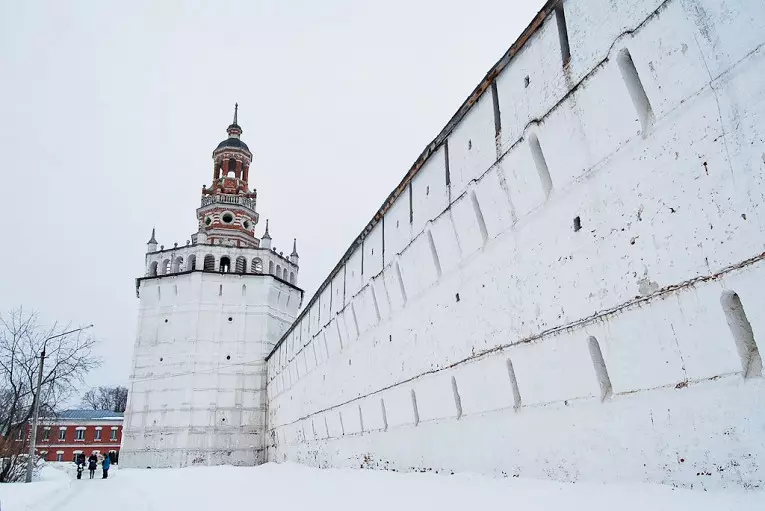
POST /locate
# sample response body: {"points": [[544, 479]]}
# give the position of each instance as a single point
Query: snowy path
{"points": [[295, 487]]}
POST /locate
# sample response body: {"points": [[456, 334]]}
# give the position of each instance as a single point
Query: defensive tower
{"points": [[210, 311]]}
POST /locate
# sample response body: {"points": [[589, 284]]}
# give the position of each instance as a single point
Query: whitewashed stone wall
{"points": [[571, 285], [197, 391]]}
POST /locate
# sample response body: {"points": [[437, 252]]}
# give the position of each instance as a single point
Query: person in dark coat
{"points": [[80, 465], [92, 464], [106, 464]]}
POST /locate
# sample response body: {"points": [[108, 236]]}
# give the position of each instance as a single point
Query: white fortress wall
{"points": [[568, 283]]}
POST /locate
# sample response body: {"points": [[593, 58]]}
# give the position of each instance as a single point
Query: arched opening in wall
{"points": [[191, 262], [257, 265], [270, 267], [457, 398], [636, 90], [209, 263], [415, 410], [279, 270], [401, 282], [292, 277], [285, 274], [541, 164], [514, 386], [241, 264], [600, 367], [565, 50], [177, 264], [743, 335], [225, 264], [434, 253], [165, 266], [479, 217], [153, 269], [384, 414], [231, 168]]}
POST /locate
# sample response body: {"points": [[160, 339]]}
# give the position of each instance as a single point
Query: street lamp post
{"points": [[36, 403]]}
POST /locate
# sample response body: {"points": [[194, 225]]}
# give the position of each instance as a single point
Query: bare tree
{"points": [[106, 398], [68, 359]]}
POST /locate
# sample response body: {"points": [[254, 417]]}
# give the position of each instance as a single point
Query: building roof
{"points": [[233, 142], [90, 415]]}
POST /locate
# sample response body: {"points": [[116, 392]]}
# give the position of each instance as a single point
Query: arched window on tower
{"points": [[165, 266], [257, 265], [231, 168], [292, 277], [209, 264], [270, 267], [279, 270], [225, 264], [153, 269], [191, 262], [177, 264], [241, 264], [285, 274]]}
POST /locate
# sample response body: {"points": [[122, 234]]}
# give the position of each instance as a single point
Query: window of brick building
{"points": [[80, 434], [46, 434], [59, 456], [62, 434], [98, 433], [114, 434]]}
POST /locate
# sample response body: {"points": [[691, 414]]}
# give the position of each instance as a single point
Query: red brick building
{"points": [[80, 431]]}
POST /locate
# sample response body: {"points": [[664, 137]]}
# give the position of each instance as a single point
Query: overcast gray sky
{"points": [[110, 111]]}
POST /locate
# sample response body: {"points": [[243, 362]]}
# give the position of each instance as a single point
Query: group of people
{"points": [[92, 465]]}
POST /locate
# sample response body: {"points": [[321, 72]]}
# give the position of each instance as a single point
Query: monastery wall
{"points": [[568, 283]]}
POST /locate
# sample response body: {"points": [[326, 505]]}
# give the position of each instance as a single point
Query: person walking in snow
{"points": [[92, 464], [106, 464], [80, 464]]}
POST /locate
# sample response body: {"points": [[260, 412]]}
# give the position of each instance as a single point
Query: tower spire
{"points": [[294, 255], [234, 130], [152, 239], [265, 234], [265, 241]]}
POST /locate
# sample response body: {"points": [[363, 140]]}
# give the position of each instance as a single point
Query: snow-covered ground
{"points": [[296, 487]]}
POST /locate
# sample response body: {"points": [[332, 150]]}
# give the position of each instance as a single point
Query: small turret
{"points": [[294, 255], [265, 241], [152, 243]]}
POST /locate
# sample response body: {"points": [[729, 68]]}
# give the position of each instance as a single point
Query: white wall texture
{"points": [[197, 391], [476, 329]]}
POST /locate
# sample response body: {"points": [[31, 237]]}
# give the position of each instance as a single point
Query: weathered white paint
{"points": [[489, 335]]}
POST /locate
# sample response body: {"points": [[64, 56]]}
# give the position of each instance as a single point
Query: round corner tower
{"points": [[210, 311]]}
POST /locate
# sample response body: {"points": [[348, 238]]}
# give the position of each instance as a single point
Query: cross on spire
{"points": [[236, 112]]}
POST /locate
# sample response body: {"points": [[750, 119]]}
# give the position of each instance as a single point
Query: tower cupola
{"points": [[151, 245], [227, 215], [265, 241], [294, 258]]}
